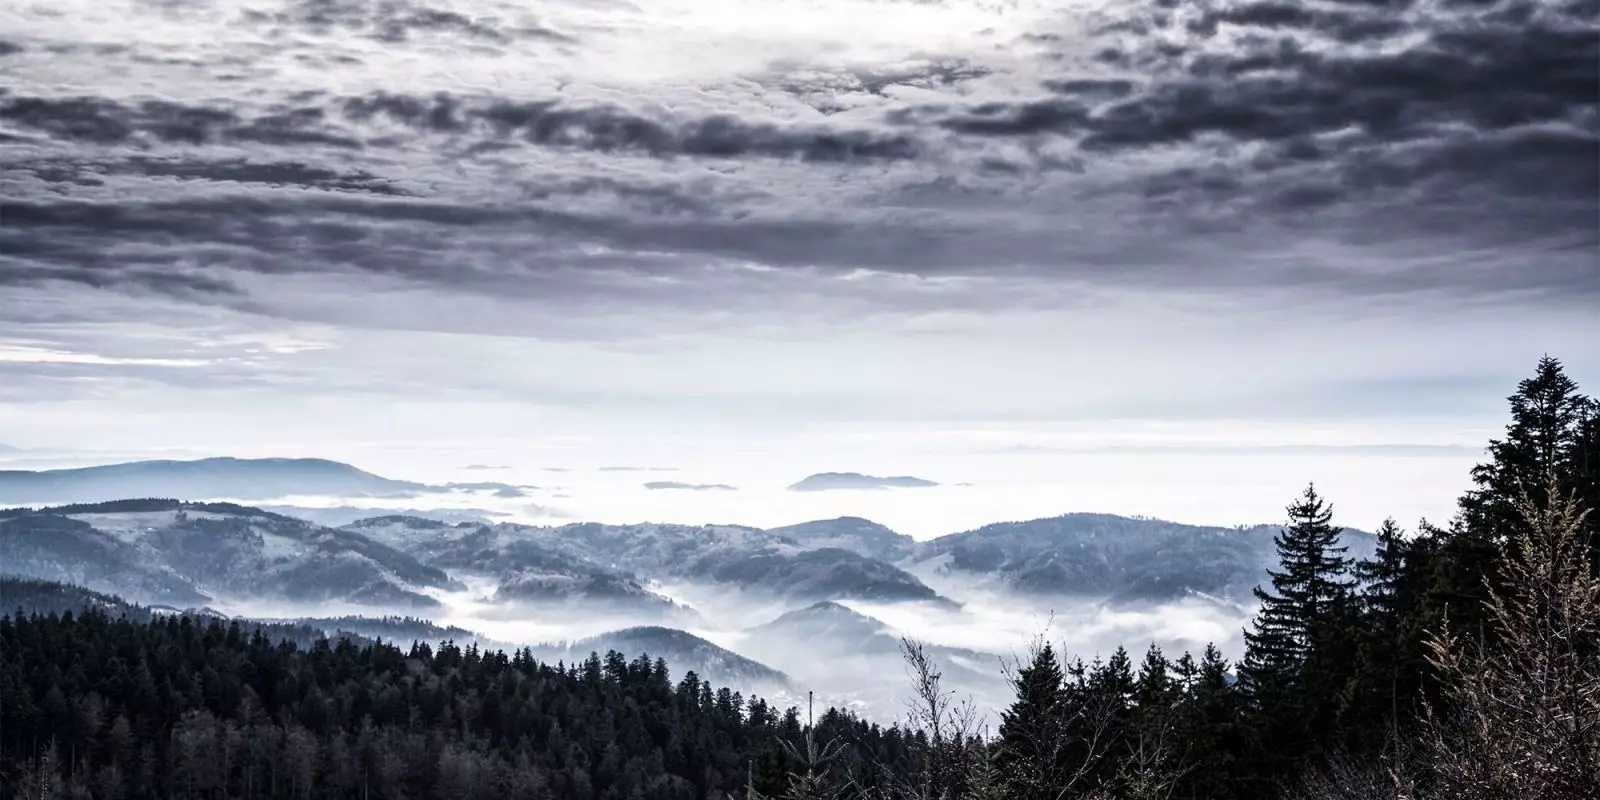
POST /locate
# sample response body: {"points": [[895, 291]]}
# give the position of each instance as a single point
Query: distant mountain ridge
{"points": [[577, 556], [176, 552], [855, 534], [216, 478], [252, 478], [1126, 559], [837, 481]]}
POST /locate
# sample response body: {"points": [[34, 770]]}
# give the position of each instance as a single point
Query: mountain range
{"points": [[217, 478], [1121, 558], [183, 553], [791, 607]]}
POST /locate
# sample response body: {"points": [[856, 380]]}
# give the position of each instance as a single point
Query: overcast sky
{"points": [[794, 232]]}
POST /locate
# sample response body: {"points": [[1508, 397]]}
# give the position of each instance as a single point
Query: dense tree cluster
{"points": [[180, 707], [1457, 662]]}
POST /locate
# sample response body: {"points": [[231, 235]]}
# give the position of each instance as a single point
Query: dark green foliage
{"points": [[1294, 655], [1552, 432], [187, 707], [1034, 751]]}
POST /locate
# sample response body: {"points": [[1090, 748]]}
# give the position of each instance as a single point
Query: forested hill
{"points": [[181, 707], [26, 597]]}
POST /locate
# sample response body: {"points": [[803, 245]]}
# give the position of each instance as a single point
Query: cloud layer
{"points": [[1357, 148]]}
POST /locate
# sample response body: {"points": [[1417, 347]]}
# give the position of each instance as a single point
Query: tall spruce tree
{"points": [[1386, 685], [1212, 733], [1311, 580], [1292, 669], [1546, 436], [1552, 432], [1033, 746]]}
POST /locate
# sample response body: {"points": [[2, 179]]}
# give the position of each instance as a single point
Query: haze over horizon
{"points": [[1110, 257]]}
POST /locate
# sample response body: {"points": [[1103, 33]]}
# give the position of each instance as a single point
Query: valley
{"points": [[817, 606]]}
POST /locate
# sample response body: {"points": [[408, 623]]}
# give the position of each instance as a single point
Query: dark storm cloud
{"points": [[17, 271], [92, 120], [1207, 141], [536, 252], [234, 171], [609, 129], [395, 21], [1468, 70], [546, 123]]}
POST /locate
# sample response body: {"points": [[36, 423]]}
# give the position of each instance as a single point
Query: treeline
{"points": [[23, 597], [142, 505], [181, 707], [1460, 661]]}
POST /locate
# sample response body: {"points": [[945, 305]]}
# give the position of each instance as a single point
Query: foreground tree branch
{"points": [[1524, 713]]}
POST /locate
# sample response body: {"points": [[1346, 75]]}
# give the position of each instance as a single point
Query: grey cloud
{"points": [[1252, 129], [91, 172], [102, 121], [545, 123], [502, 490], [395, 21], [1519, 77], [610, 128]]}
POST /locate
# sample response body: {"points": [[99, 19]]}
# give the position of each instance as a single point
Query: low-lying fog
{"points": [[971, 642], [1221, 476]]}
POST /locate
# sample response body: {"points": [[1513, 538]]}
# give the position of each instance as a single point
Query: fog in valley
{"points": [[819, 607]]}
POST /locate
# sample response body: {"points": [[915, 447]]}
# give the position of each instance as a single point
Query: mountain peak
{"points": [[844, 481]]}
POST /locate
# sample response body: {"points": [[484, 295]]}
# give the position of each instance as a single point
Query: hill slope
{"points": [[1102, 555], [170, 551]]}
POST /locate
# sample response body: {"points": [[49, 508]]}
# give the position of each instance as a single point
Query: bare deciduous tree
{"points": [[954, 744], [1358, 779], [1524, 710]]}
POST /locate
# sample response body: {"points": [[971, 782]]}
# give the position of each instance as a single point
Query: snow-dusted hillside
{"points": [[166, 551]]}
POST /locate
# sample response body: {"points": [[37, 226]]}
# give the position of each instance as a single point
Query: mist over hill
{"points": [[683, 652], [171, 551], [820, 605], [1107, 556]]}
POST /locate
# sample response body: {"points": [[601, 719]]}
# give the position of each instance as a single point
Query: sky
{"points": [[1152, 257]]}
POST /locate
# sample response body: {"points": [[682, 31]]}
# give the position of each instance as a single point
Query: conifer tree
{"points": [[1210, 727], [1548, 417], [1033, 730], [1308, 584], [1156, 754], [1294, 656], [1390, 662], [1551, 434]]}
